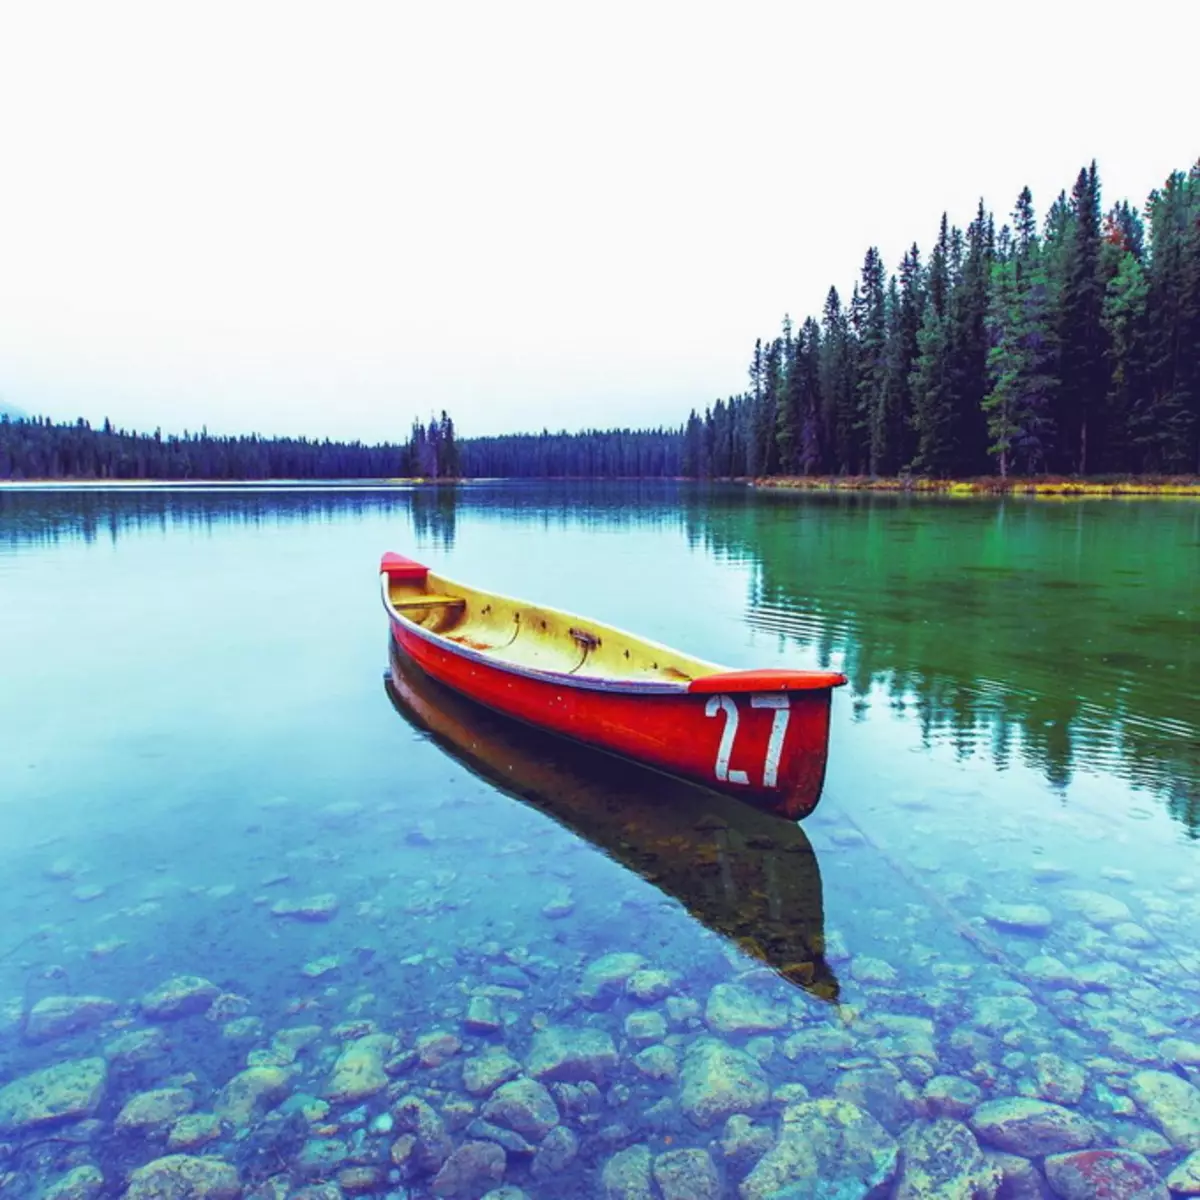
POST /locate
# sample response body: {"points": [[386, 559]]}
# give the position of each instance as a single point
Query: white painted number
{"points": [[775, 700], [715, 705]]}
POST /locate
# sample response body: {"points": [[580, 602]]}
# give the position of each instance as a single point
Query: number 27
{"points": [[776, 700]]}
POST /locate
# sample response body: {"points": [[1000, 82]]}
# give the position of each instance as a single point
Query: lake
{"points": [[271, 926]]}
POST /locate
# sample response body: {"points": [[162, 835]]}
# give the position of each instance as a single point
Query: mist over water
{"points": [[202, 775]]}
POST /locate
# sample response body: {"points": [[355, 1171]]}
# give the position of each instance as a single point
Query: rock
{"points": [[1097, 908], [321, 1157], [507, 1192], [193, 1130], [950, 1096], [873, 971], [941, 1160], [558, 1150], [658, 1062], [605, 978], [436, 1047], [430, 1145], [732, 1008], [63, 1092], [743, 1143], [826, 1148], [360, 1181], [561, 904], [135, 1047], [682, 1009], [83, 1183], [642, 1028], [626, 1176], [184, 1177], [483, 1015], [998, 1014], [470, 1170], [1058, 1080], [1185, 1179], [1181, 1051], [687, 1175], [1112, 1174], [882, 1092], [1032, 1128], [312, 909], [571, 1055], [60, 1016], [811, 1043], [649, 986], [358, 1071], [486, 1072], [1048, 970], [252, 1091], [523, 1105], [182, 996], [1021, 1180], [1172, 1104], [150, 1110], [1020, 918], [718, 1081], [318, 968]]}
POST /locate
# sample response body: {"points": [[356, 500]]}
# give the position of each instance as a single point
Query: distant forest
{"points": [[1069, 346]]}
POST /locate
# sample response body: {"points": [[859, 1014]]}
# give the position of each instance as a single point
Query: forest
{"points": [[1066, 346]]}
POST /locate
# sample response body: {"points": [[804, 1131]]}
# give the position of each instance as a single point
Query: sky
{"points": [[328, 219]]}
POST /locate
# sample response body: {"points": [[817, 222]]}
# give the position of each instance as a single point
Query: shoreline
{"points": [[1101, 487]]}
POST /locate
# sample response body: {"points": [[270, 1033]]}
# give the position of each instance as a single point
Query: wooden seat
{"points": [[430, 601]]}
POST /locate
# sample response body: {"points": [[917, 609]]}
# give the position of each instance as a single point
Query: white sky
{"points": [[324, 219]]}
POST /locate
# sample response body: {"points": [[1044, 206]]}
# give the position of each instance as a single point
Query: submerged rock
{"points": [[825, 1148], [523, 1105], [718, 1081], [687, 1175], [1058, 1080], [558, 1150], [153, 1109], [59, 1016], [658, 1062], [436, 1046], [82, 1183], [470, 1170], [626, 1176], [743, 1142], [251, 1091], [193, 1130], [732, 1008], [312, 909], [1111, 1174], [941, 1160], [486, 1072], [646, 1026], [1097, 908], [358, 1071], [605, 979], [63, 1092], [182, 996], [1172, 1104], [430, 1145], [649, 985], [951, 1096], [1021, 918], [184, 1177], [1031, 1127], [571, 1055], [1185, 1179]]}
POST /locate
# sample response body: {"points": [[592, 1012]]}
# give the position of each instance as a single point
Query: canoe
{"points": [[761, 736], [738, 870]]}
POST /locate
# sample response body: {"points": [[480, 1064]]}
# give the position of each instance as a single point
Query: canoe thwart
{"points": [[427, 600]]}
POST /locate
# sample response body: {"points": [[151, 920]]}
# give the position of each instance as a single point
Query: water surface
{"points": [[1000, 887]]}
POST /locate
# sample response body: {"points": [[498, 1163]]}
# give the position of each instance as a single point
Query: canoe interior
{"points": [[535, 638]]}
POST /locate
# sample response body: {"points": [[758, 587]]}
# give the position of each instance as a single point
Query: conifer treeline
{"points": [[1070, 349]]}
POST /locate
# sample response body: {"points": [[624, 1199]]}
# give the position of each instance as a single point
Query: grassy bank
{"points": [[1051, 486]]}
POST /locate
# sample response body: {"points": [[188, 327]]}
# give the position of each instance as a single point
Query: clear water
{"points": [[194, 728]]}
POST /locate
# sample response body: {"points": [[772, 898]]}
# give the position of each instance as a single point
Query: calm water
{"points": [[203, 774]]}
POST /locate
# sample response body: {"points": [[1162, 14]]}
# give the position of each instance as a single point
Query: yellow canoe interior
{"points": [[537, 638]]}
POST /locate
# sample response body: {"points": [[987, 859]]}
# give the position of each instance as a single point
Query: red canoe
{"points": [[761, 736]]}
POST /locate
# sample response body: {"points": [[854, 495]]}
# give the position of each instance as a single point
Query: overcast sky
{"points": [[325, 219]]}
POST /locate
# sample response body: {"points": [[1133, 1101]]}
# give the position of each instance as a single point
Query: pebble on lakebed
{"points": [[645, 1084]]}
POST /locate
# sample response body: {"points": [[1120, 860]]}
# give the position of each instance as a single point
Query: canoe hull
{"points": [[768, 748]]}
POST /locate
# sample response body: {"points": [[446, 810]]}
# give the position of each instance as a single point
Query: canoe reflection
{"points": [[747, 875]]}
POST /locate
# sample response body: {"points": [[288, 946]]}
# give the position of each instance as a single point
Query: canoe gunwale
{"points": [[587, 683]]}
